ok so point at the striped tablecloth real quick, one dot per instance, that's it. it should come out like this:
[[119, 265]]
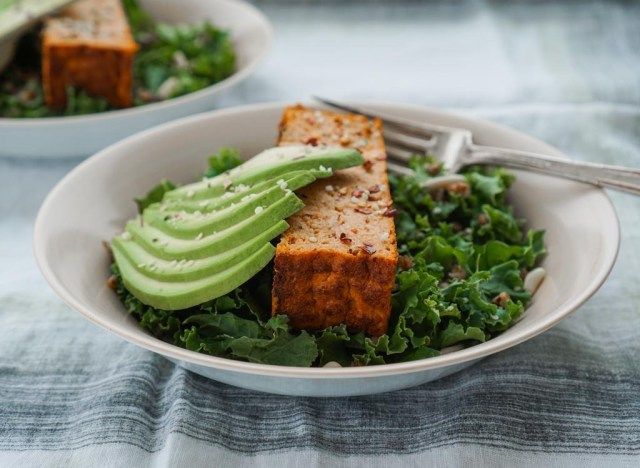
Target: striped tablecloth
[[569, 73]]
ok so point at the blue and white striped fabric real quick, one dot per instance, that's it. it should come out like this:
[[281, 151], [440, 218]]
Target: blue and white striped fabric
[[73, 395]]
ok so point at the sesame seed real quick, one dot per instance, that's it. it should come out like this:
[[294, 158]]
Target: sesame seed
[[313, 239], [141, 265], [384, 236], [258, 210], [199, 236], [329, 188], [126, 236]]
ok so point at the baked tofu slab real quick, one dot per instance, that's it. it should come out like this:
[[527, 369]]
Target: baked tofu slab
[[89, 45], [337, 262]]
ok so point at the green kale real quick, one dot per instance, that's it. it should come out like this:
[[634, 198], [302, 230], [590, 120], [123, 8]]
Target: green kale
[[464, 256], [225, 159], [154, 195]]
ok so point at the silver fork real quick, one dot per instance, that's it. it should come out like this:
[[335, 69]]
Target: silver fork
[[455, 148]]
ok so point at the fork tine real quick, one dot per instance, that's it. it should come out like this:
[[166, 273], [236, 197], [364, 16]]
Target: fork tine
[[399, 169], [417, 145], [399, 155], [404, 125]]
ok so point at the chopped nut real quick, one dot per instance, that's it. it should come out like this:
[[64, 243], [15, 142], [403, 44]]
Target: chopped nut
[[368, 248], [344, 239], [357, 193], [313, 141], [457, 272], [368, 164], [434, 169], [390, 212], [112, 283], [459, 188], [374, 188], [405, 262], [364, 210], [501, 299], [345, 140], [343, 190]]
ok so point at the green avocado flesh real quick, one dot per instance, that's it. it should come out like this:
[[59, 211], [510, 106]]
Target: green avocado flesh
[[207, 238]]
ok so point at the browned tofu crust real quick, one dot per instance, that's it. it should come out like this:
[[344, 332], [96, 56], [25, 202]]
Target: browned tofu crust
[[337, 262], [89, 45]]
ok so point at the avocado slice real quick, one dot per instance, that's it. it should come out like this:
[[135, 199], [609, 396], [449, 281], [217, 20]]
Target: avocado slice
[[205, 239], [183, 270], [187, 225], [292, 181], [271, 164], [177, 295], [162, 245]]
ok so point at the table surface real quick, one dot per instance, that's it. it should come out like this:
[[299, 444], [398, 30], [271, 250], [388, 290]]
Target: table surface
[[566, 72]]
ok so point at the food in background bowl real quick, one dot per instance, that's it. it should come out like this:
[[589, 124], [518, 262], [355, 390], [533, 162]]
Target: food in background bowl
[[98, 55], [194, 267]]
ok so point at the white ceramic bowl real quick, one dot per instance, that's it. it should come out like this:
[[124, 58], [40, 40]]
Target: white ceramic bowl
[[95, 199], [77, 136]]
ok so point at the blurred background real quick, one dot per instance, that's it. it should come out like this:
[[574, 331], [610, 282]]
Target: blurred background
[[566, 71]]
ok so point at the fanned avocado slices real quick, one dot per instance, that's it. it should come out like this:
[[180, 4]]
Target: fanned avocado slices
[[207, 238]]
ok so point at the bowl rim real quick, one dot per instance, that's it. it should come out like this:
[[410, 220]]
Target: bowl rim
[[100, 117], [141, 338]]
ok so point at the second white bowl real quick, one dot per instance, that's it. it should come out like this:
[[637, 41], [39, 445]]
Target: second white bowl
[[77, 136]]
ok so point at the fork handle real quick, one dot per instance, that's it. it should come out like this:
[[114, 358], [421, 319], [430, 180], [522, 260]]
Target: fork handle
[[602, 175]]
